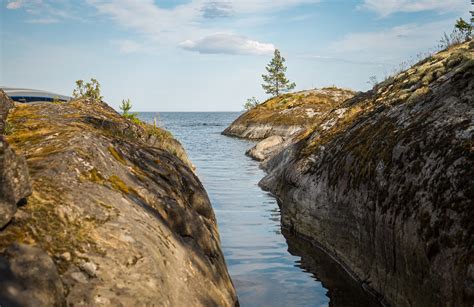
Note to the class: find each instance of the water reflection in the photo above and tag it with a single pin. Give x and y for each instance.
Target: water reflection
(342, 289)
(256, 253)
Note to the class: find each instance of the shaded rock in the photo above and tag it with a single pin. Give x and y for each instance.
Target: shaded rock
(386, 186)
(120, 207)
(28, 277)
(265, 148)
(14, 182)
(5, 105)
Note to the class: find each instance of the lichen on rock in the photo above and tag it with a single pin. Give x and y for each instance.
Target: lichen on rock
(386, 185)
(288, 114)
(118, 209)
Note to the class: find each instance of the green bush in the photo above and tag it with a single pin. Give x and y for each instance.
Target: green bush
(89, 90)
(251, 103)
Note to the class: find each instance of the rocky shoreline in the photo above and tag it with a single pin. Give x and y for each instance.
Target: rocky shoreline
(97, 210)
(383, 182)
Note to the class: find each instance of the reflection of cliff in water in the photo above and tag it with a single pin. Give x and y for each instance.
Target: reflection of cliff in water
(342, 289)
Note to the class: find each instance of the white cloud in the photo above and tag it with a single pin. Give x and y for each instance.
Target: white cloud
(46, 11)
(227, 43)
(394, 40)
(14, 5)
(388, 48)
(159, 26)
(187, 22)
(386, 7)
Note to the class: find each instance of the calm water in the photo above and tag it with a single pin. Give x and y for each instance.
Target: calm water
(267, 269)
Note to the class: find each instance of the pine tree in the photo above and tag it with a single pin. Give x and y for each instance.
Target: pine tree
(276, 81)
(464, 28)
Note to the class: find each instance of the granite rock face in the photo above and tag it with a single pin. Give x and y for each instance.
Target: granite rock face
(28, 277)
(14, 182)
(287, 115)
(264, 149)
(117, 207)
(14, 178)
(5, 105)
(385, 183)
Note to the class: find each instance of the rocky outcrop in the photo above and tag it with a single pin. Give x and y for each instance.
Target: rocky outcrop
(287, 114)
(14, 182)
(264, 149)
(14, 178)
(5, 105)
(117, 208)
(384, 183)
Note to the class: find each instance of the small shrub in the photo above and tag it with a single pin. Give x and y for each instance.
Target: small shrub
(126, 107)
(373, 80)
(251, 103)
(461, 33)
(464, 28)
(89, 90)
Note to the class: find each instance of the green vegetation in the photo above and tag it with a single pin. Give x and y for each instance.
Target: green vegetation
(251, 103)
(276, 81)
(464, 28)
(461, 33)
(88, 90)
(126, 107)
(8, 129)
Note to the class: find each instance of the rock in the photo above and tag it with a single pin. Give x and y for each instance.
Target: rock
(388, 187)
(121, 205)
(28, 277)
(287, 115)
(265, 148)
(90, 268)
(14, 182)
(66, 256)
(79, 277)
(5, 105)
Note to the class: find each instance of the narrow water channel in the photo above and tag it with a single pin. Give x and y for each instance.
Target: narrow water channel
(267, 269)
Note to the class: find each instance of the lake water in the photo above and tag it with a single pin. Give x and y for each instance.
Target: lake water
(267, 267)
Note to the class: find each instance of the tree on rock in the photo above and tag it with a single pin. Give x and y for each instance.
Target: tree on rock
(276, 81)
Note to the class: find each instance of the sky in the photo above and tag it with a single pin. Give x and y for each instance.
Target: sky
(209, 55)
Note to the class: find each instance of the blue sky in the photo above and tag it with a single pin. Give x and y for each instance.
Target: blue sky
(208, 55)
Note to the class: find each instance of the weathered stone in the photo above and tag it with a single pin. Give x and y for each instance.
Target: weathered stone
(14, 182)
(287, 115)
(28, 277)
(387, 187)
(120, 207)
(90, 268)
(265, 148)
(5, 105)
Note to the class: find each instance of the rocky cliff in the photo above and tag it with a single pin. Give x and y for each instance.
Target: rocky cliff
(116, 215)
(384, 182)
(287, 114)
